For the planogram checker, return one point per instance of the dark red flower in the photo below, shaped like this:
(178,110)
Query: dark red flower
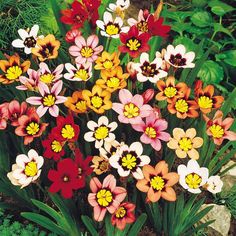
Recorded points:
(134,42)
(92,8)
(156,27)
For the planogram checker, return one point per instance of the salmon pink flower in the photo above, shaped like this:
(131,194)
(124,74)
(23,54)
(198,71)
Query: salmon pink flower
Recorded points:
(105,196)
(148,95)
(4,115)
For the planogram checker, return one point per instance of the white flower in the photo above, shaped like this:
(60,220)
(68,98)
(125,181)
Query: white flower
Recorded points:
(129,160)
(100,132)
(177,56)
(214,184)
(82,72)
(110,27)
(119,6)
(28,39)
(147,70)
(27,169)
(192,176)
(110,148)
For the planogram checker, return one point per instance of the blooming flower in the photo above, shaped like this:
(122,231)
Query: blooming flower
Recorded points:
(85,51)
(100,165)
(184,143)
(132,108)
(214,184)
(4,115)
(192,176)
(129,160)
(100,132)
(27,169)
(123,215)
(71,35)
(105,196)
(157,182)
(134,43)
(48,100)
(110,148)
(119,7)
(147,70)
(177,57)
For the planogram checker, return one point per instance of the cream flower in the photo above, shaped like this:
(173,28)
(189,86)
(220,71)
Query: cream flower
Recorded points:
(119,6)
(214,184)
(110,148)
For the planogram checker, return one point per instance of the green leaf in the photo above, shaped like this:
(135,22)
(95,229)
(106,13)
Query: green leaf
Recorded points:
(136,227)
(229,103)
(219,28)
(228,57)
(89,225)
(201,19)
(109,227)
(220,8)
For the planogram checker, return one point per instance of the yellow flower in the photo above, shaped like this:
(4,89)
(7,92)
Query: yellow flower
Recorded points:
(185,143)
(76,103)
(100,165)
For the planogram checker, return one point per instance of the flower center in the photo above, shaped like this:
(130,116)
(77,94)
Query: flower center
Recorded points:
(149,70)
(104,197)
(82,74)
(131,110)
(47,78)
(151,132)
(103,165)
(81,105)
(86,52)
(120,212)
(108,64)
(177,60)
(181,106)
(113,82)
(170,92)
(133,44)
(56,146)
(32,128)
(96,101)
(101,132)
(129,161)
(157,183)
(112,29)
(14,72)
(217,131)
(49,100)
(30,42)
(143,26)
(65,178)
(185,144)
(193,180)
(205,102)
(31,169)
(68,132)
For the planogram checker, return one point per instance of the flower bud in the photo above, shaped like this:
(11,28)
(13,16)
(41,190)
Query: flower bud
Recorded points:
(148,95)
(71,35)
(132,72)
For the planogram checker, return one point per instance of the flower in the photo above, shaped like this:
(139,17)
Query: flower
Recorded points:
(105,196)
(147,70)
(12,69)
(4,115)
(119,7)
(157,182)
(132,108)
(71,35)
(134,43)
(184,143)
(192,176)
(169,90)
(28,39)
(129,159)
(218,128)
(98,99)
(110,148)
(153,131)
(214,184)
(82,72)
(92,8)
(27,169)
(205,99)
(48,100)
(85,51)
(111,28)
(100,132)
(178,58)
(30,127)
(100,165)
(148,95)
(47,48)
(183,107)
(123,215)
(76,103)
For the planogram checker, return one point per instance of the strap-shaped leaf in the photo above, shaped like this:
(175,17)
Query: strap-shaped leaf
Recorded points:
(89,225)
(136,227)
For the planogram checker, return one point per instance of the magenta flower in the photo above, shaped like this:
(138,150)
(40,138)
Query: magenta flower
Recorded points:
(152,130)
(4,115)
(48,100)
(132,108)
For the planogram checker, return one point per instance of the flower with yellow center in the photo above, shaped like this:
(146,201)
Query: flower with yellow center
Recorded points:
(107,61)
(101,132)
(151,132)
(47,78)
(86,52)
(32,128)
(181,105)
(68,132)
(112,29)
(205,102)
(133,44)
(82,74)
(56,146)
(217,131)
(100,165)
(131,110)
(193,180)
(185,144)
(31,169)
(170,92)
(14,72)
(120,212)
(157,183)
(49,100)
(129,161)
(104,197)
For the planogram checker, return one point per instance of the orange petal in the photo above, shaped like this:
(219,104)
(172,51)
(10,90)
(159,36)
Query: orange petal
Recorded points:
(172,178)
(153,196)
(169,194)
(161,168)
(142,185)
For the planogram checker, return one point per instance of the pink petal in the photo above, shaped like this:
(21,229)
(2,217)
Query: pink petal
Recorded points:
(230,135)
(74,51)
(139,127)
(99,213)
(125,96)
(92,199)
(57,87)
(60,99)
(156,144)
(145,110)
(34,100)
(80,42)
(120,194)
(137,100)
(145,139)
(109,182)
(58,70)
(118,107)
(92,41)
(161,124)
(164,136)
(95,184)
(135,120)
(41,110)
(54,111)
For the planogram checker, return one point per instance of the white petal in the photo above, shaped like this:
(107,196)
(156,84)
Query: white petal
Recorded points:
(89,137)
(21,160)
(23,34)
(136,147)
(18,43)
(138,174)
(92,125)
(103,121)
(144,57)
(180,49)
(34,31)
(32,154)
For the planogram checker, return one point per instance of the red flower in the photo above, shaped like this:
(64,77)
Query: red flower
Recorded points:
(155,27)
(92,8)
(134,42)
(71,35)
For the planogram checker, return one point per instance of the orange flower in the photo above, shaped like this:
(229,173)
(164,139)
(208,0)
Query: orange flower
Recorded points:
(158,182)
(100,165)
(47,48)
(183,107)
(113,80)
(169,90)
(76,103)
(107,61)
(12,69)
(205,99)
(98,100)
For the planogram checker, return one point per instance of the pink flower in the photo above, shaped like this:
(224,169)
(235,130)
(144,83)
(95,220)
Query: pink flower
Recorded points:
(152,130)
(3,115)
(71,35)
(148,95)
(85,51)
(132,108)
(48,100)
(105,196)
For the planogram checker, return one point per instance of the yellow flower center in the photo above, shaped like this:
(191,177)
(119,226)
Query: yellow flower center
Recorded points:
(56,146)
(143,26)
(131,110)
(150,132)
(86,52)
(82,74)
(96,101)
(68,132)
(47,78)
(112,29)
(120,212)
(107,64)
(101,132)
(205,102)
(81,105)
(113,82)
(133,44)
(14,72)
(104,197)
(185,144)
(31,169)
(129,161)
(49,100)
(157,183)
(170,92)
(32,128)
(217,131)
(193,180)
(181,106)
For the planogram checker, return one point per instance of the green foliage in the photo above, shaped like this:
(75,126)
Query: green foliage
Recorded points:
(201,19)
